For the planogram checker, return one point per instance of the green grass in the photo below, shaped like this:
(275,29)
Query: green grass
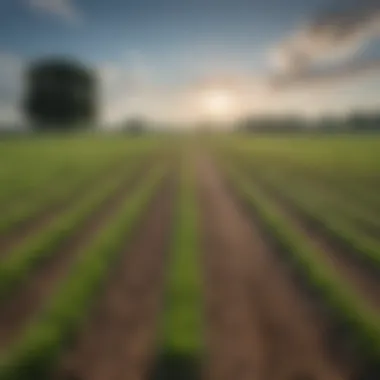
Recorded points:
(319,193)
(18,263)
(316,209)
(38,350)
(349,308)
(180,344)
(45,169)
(31,168)
(348,165)
(30,206)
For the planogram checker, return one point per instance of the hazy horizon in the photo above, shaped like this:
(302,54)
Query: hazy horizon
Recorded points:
(201,60)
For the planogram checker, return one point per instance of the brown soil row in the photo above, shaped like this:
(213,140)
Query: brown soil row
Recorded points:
(259,323)
(365,280)
(24,304)
(118,339)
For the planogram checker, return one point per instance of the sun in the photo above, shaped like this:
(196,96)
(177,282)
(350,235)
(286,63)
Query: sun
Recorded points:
(218,103)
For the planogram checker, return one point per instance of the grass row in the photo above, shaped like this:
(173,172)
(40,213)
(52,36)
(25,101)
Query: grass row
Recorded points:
(19,262)
(35,179)
(28,208)
(325,210)
(331,202)
(67,185)
(339,229)
(318,192)
(38,164)
(352,174)
(359,205)
(346,306)
(36,354)
(180,343)
(331,222)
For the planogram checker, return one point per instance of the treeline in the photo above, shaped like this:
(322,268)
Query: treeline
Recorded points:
(355,122)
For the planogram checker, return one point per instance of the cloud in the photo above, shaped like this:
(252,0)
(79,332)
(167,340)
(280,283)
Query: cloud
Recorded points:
(65,9)
(132,87)
(11,78)
(331,38)
(127,87)
(349,71)
(126,94)
(11,67)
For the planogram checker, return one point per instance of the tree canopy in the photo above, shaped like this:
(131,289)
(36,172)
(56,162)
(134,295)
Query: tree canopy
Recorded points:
(61,94)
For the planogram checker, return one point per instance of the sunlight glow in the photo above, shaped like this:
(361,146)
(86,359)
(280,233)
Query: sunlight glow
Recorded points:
(218,103)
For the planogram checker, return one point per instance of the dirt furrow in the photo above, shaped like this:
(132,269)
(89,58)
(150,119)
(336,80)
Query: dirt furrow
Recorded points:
(259,326)
(48,214)
(118,339)
(27,300)
(364,279)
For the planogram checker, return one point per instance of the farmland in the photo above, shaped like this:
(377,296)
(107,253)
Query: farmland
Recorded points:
(170,257)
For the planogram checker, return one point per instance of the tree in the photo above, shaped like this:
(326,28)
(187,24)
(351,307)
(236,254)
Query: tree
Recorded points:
(135,126)
(61,94)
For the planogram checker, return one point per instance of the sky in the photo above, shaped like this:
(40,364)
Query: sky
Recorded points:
(186,61)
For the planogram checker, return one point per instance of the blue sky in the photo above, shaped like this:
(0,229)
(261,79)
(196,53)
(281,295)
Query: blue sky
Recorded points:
(162,58)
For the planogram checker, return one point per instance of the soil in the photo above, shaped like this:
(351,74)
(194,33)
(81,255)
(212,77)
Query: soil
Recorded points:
(37,222)
(364,279)
(259,324)
(118,339)
(17,310)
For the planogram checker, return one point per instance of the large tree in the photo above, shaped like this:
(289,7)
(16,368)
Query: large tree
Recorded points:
(60,94)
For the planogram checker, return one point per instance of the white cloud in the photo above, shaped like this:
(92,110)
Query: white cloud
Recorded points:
(337,37)
(11,71)
(65,9)
(127,88)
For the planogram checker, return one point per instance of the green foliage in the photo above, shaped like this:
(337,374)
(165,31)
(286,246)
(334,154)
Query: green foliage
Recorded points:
(35,202)
(36,353)
(346,304)
(61,94)
(181,340)
(37,174)
(16,267)
(338,223)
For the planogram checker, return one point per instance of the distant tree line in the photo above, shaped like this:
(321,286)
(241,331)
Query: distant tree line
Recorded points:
(355,122)
(62,94)
(135,126)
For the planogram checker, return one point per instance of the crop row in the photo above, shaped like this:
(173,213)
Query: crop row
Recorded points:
(331,222)
(18,263)
(331,202)
(357,187)
(63,189)
(38,165)
(180,341)
(345,307)
(319,193)
(36,177)
(360,209)
(34,355)
(21,211)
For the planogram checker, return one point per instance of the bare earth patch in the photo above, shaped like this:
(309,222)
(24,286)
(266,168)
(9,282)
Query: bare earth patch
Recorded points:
(27,301)
(258,323)
(365,280)
(118,339)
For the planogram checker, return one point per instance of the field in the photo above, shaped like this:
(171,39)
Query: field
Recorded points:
(169,257)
